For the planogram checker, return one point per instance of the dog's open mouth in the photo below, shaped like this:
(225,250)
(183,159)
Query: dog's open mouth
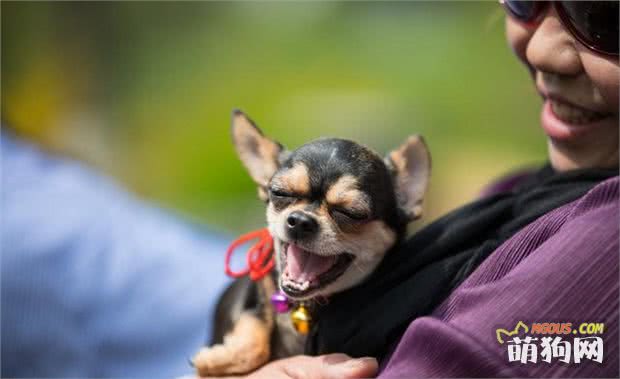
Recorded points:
(304,271)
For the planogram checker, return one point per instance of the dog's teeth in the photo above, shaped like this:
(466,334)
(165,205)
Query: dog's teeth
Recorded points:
(294,284)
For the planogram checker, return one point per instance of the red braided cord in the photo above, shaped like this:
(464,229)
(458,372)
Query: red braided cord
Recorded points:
(259,257)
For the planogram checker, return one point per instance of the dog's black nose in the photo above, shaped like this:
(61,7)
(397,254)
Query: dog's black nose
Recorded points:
(301,225)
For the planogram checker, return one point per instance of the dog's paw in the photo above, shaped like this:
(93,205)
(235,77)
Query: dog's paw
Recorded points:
(244,350)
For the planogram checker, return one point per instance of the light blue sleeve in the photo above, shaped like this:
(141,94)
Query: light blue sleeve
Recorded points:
(96,283)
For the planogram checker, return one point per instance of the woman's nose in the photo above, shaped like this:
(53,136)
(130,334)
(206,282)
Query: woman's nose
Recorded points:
(552,48)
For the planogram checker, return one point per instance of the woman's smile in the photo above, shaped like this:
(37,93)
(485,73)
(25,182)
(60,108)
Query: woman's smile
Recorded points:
(573,108)
(573,114)
(565,122)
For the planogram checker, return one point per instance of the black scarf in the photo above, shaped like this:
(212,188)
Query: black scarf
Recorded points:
(418,274)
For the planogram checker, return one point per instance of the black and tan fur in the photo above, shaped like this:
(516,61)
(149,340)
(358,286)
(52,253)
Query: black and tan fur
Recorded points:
(330,197)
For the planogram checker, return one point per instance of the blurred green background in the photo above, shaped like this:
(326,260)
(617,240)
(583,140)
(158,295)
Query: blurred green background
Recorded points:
(143,90)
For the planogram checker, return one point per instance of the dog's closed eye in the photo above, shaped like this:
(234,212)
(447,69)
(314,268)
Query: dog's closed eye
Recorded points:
(349,214)
(281,198)
(275,192)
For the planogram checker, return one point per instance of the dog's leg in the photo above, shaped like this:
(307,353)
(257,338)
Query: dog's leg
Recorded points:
(247,346)
(244,349)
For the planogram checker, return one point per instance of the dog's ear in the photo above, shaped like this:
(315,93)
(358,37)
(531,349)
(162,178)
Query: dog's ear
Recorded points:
(260,155)
(410,166)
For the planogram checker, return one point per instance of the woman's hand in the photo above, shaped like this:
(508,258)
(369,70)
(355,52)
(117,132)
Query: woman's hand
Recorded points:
(332,366)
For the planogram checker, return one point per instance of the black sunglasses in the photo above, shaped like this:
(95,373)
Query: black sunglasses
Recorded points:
(593,23)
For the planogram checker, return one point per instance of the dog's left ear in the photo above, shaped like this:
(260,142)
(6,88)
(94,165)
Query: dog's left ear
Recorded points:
(410,166)
(260,155)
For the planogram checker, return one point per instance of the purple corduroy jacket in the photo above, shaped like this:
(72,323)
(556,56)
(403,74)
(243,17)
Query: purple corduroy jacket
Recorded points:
(562,268)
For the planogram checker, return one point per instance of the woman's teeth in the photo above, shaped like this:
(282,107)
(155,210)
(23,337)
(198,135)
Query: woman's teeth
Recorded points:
(574,115)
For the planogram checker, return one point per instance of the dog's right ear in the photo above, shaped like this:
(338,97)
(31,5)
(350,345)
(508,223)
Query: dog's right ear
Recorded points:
(260,155)
(410,166)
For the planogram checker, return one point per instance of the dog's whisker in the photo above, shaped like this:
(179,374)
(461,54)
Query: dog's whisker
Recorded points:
(356,264)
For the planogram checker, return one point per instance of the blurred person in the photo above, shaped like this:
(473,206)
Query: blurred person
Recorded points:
(538,247)
(96,283)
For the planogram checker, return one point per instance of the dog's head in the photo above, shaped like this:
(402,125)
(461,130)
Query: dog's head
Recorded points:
(334,207)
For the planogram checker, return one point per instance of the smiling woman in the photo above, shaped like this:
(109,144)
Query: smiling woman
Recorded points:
(573,57)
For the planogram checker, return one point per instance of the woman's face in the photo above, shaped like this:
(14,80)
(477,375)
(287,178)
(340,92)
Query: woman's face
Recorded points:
(579,89)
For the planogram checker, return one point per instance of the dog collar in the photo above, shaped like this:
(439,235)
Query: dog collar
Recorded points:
(259,257)
(260,262)
(300,316)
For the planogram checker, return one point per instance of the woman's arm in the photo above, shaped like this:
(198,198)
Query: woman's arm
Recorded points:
(561,268)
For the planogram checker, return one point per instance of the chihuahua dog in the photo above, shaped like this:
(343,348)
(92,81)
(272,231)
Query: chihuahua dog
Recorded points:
(334,208)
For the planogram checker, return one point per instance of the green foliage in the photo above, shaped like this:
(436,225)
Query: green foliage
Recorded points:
(153,85)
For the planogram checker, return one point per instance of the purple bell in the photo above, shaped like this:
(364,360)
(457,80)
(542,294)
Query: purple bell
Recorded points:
(280,302)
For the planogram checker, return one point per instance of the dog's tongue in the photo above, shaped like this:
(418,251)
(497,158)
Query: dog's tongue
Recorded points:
(302,265)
